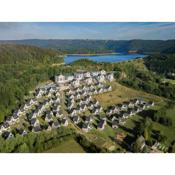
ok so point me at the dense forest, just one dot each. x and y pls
(162, 64)
(21, 69)
(101, 46)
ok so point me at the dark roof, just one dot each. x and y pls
(101, 123)
(37, 128)
(85, 125)
(29, 116)
(6, 134)
(75, 118)
(20, 131)
(32, 121)
(115, 122)
(82, 106)
(48, 116)
(119, 105)
(6, 125)
(56, 123)
(126, 113)
(88, 118)
(59, 113)
(71, 110)
(15, 116)
(64, 120)
(1, 125)
(8, 118)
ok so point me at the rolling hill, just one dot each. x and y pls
(94, 46)
(21, 69)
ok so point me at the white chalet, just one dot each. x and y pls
(69, 78)
(75, 82)
(39, 92)
(64, 122)
(103, 72)
(73, 112)
(79, 76)
(101, 78)
(110, 76)
(60, 79)
(88, 80)
(86, 127)
(57, 94)
(87, 74)
(59, 114)
(94, 74)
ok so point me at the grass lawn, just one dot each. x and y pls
(68, 146)
(122, 93)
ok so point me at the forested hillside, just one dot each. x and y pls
(101, 46)
(14, 54)
(21, 69)
(162, 64)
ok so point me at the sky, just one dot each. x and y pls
(87, 30)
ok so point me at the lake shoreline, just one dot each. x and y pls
(112, 57)
(92, 54)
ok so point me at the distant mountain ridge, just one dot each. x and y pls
(100, 46)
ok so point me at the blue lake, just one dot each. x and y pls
(118, 57)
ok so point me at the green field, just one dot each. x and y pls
(68, 146)
(122, 93)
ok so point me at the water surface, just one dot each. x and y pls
(117, 57)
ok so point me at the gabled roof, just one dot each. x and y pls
(48, 116)
(56, 123)
(1, 125)
(6, 125)
(115, 123)
(59, 113)
(101, 123)
(33, 121)
(75, 118)
(85, 125)
(21, 131)
(64, 120)
(6, 134)
(37, 129)
(8, 118)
